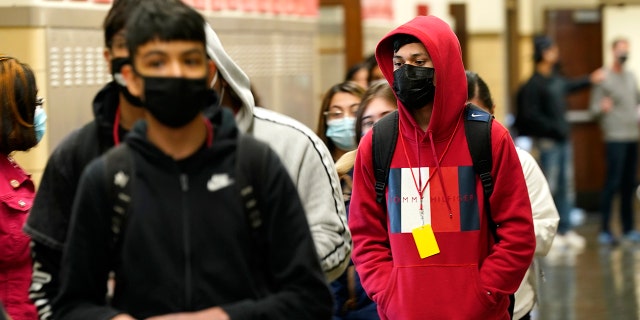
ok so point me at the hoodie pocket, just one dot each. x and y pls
(439, 292)
(486, 297)
(390, 288)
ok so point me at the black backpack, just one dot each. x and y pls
(251, 156)
(477, 125)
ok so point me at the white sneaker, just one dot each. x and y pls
(575, 241)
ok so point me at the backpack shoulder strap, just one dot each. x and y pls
(251, 159)
(119, 176)
(383, 145)
(477, 128)
(477, 125)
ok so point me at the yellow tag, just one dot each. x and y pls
(425, 241)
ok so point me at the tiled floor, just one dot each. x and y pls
(600, 283)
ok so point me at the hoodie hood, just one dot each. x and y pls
(451, 82)
(234, 76)
(105, 105)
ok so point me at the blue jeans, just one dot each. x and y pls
(556, 161)
(622, 159)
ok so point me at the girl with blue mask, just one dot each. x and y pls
(18, 101)
(336, 124)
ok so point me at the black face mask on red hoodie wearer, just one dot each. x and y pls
(414, 86)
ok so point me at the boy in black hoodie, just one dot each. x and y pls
(186, 249)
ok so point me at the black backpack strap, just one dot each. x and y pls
(383, 145)
(477, 127)
(251, 159)
(119, 178)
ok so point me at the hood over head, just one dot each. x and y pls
(450, 79)
(234, 76)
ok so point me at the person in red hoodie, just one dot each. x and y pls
(429, 252)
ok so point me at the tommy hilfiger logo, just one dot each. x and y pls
(219, 181)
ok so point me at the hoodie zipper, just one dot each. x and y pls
(184, 184)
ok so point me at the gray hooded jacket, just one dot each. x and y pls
(305, 157)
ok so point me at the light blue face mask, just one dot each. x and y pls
(40, 123)
(342, 133)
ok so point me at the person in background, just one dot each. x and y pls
(545, 214)
(303, 154)
(352, 301)
(185, 249)
(375, 73)
(20, 130)
(336, 122)
(359, 73)
(615, 103)
(115, 111)
(429, 252)
(541, 115)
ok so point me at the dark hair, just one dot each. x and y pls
(18, 100)
(402, 39)
(164, 21)
(116, 19)
(477, 88)
(540, 44)
(377, 89)
(354, 69)
(347, 87)
(373, 65)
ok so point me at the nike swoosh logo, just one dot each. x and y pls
(219, 181)
(475, 115)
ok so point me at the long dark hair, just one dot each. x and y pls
(477, 88)
(18, 100)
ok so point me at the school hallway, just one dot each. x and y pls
(601, 283)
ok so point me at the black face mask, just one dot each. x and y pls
(414, 86)
(175, 102)
(116, 68)
(622, 57)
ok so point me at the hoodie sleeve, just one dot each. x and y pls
(503, 270)
(545, 214)
(319, 189)
(368, 224)
(313, 172)
(301, 291)
(85, 263)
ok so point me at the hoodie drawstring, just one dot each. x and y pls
(418, 184)
(435, 157)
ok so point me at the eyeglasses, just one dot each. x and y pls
(339, 114)
(39, 101)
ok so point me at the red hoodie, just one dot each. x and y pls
(471, 277)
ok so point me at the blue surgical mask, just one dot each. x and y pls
(342, 133)
(40, 123)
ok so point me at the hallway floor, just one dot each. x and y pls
(601, 283)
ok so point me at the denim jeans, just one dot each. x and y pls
(622, 161)
(556, 162)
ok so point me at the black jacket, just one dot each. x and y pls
(541, 105)
(49, 218)
(186, 245)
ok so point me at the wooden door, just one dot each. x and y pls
(578, 34)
